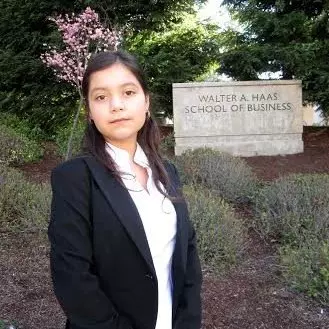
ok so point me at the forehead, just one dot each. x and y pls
(112, 77)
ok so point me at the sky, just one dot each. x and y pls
(212, 10)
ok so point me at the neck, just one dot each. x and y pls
(127, 145)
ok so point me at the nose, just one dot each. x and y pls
(116, 103)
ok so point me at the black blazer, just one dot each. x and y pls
(101, 265)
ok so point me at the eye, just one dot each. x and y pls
(130, 92)
(100, 98)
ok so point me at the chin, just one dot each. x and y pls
(121, 137)
(122, 134)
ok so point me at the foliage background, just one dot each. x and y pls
(287, 36)
(29, 89)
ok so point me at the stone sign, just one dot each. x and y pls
(245, 118)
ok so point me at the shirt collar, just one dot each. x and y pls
(121, 157)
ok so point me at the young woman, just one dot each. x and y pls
(123, 252)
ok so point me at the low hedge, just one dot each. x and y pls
(227, 175)
(63, 135)
(22, 126)
(220, 234)
(16, 148)
(306, 268)
(24, 206)
(294, 208)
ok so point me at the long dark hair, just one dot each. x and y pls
(149, 135)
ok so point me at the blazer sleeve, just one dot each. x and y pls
(75, 283)
(189, 308)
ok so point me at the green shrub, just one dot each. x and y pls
(167, 144)
(220, 235)
(5, 324)
(63, 135)
(306, 268)
(16, 148)
(22, 126)
(24, 206)
(294, 208)
(225, 174)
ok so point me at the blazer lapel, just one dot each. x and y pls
(180, 251)
(181, 213)
(122, 203)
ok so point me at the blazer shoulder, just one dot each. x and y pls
(73, 169)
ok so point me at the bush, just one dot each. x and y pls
(16, 148)
(225, 174)
(24, 206)
(307, 268)
(167, 144)
(294, 208)
(63, 135)
(295, 211)
(5, 324)
(22, 127)
(220, 235)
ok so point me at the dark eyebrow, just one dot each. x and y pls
(129, 84)
(122, 85)
(96, 89)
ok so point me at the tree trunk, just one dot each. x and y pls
(75, 122)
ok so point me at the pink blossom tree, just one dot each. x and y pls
(83, 35)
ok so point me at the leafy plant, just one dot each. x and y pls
(306, 268)
(220, 234)
(167, 144)
(24, 206)
(16, 148)
(63, 135)
(4, 324)
(22, 126)
(226, 175)
(294, 208)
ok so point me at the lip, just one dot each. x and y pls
(119, 120)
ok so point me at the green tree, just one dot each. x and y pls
(183, 52)
(29, 89)
(287, 36)
(154, 15)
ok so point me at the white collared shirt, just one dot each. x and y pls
(159, 220)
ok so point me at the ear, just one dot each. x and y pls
(147, 100)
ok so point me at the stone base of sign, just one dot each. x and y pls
(252, 145)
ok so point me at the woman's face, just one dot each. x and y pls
(117, 103)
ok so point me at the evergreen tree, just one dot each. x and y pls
(27, 87)
(288, 36)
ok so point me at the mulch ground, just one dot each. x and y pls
(314, 159)
(250, 296)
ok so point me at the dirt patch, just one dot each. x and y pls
(314, 159)
(40, 171)
(25, 285)
(250, 296)
(253, 296)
